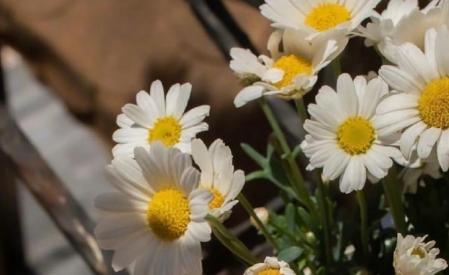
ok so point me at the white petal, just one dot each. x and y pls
(335, 165)
(147, 104)
(137, 115)
(190, 179)
(409, 138)
(130, 135)
(248, 94)
(128, 252)
(400, 80)
(195, 116)
(157, 93)
(396, 102)
(427, 140)
(370, 96)
(318, 130)
(354, 177)
(123, 121)
(116, 202)
(347, 94)
(200, 231)
(238, 180)
(443, 150)
(202, 158)
(119, 226)
(189, 133)
(177, 98)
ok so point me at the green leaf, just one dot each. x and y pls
(290, 215)
(256, 156)
(290, 254)
(296, 151)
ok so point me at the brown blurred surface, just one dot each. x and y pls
(119, 47)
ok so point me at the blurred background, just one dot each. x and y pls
(69, 66)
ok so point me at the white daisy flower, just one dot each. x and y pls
(342, 137)
(270, 266)
(414, 256)
(318, 18)
(218, 176)
(155, 220)
(382, 25)
(412, 176)
(157, 117)
(289, 73)
(421, 108)
(412, 27)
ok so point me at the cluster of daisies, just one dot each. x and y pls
(357, 131)
(167, 182)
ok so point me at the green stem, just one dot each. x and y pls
(324, 220)
(394, 198)
(301, 109)
(230, 241)
(363, 222)
(298, 181)
(336, 66)
(250, 210)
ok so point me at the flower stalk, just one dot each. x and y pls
(233, 244)
(298, 180)
(394, 198)
(364, 234)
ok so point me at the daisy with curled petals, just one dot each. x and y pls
(383, 24)
(155, 220)
(413, 176)
(161, 118)
(218, 176)
(342, 137)
(412, 27)
(289, 73)
(420, 109)
(414, 256)
(270, 266)
(318, 18)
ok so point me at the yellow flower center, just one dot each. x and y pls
(292, 66)
(217, 199)
(326, 16)
(166, 130)
(419, 252)
(168, 214)
(355, 135)
(269, 271)
(433, 105)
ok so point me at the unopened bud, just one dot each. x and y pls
(310, 237)
(262, 214)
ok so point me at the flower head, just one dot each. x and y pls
(270, 266)
(155, 220)
(412, 27)
(382, 25)
(420, 109)
(290, 72)
(413, 256)
(159, 118)
(342, 136)
(318, 18)
(218, 175)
